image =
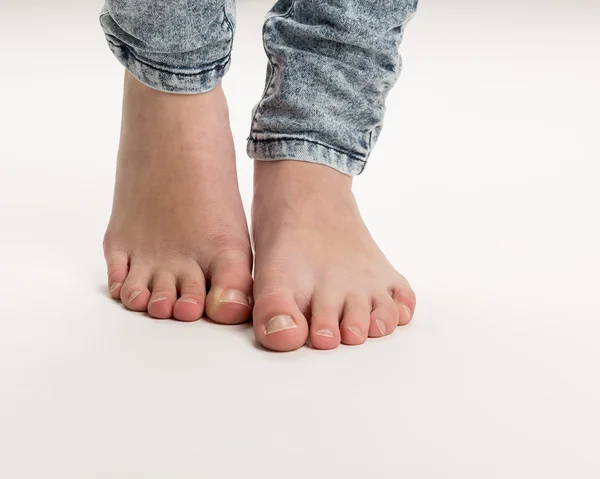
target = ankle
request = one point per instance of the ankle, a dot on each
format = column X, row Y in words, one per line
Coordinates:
column 298, row 178
column 291, row 194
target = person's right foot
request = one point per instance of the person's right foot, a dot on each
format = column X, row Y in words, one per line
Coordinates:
column 178, row 227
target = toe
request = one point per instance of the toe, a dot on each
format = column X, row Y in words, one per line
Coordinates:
column 325, row 322
column 118, row 267
column 190, row 305
column 405, row 300
column 355, row 321
column 384, row 316
column 164, row 295
column 134, row 292
column 229, row 300
column 279, row 324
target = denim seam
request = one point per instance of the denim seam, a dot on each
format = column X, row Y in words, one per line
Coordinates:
column 347, row 159
column 217, row 64
column 231, row 31
column 229, row 25
column 370, row 141
column 269, row 54
column 295, row 138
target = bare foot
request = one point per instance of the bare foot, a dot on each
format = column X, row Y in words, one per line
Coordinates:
column 178, row 228
column 318, row 272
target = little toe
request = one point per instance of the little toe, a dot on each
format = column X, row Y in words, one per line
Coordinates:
column 405, row 300
column 325, row 322
column 117, row 269
column 190, row 305
column 355, row 322
column 134, row 292
column 229, row 300
column 279, row 324
column 164, row 295
column 384, row 316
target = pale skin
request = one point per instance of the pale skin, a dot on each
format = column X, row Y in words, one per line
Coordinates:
column 177, row 244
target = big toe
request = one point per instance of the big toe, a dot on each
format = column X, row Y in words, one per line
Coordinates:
column 229, row 300
column 279, row 324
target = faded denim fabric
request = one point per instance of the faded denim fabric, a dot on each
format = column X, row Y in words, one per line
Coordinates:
column 331, row 66
column 177, row 46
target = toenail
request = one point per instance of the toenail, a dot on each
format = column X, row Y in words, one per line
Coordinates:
column 114, row 286
column 189, row 300
column 279, row 323
column 234, row 296
column 328, row 333
column 134, row 295
column 381, row 326
column 356, row 331
column 408, row 311
column 160, row 298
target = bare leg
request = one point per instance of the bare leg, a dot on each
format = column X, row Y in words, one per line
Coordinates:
column 177, row 224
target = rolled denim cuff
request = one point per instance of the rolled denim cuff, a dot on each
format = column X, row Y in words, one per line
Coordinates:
column 173, row 72
column 201, row 80
column 265, row 148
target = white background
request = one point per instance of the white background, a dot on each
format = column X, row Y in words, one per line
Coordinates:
column 483, row 191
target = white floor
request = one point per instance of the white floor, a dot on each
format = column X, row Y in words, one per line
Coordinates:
column 483, row 191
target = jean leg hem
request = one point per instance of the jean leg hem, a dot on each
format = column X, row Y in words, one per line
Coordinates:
column 199, row 80
column 266, row 149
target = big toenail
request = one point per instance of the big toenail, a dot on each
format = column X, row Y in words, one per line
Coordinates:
column 381, row 326
column 114, row 286
column 133, row 296
column 190, row 300
column 408, row 311
column 279, row 323
column 328, row 333
column 160, row 298
column 356, row 331
column 234, row 296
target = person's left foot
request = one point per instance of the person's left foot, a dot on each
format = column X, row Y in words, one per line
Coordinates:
column 318, row 272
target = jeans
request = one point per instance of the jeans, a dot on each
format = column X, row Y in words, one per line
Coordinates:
column 331, row 65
